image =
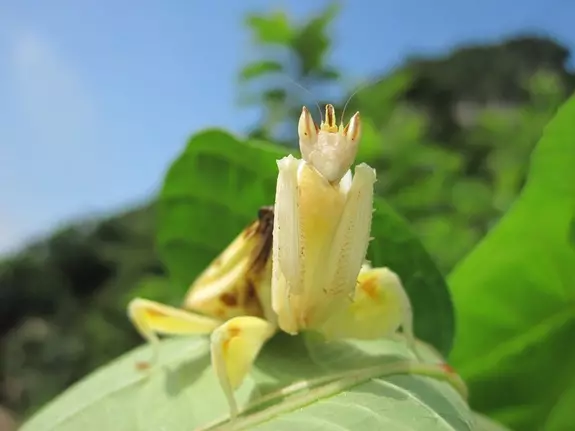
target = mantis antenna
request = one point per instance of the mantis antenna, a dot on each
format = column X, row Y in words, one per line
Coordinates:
column 361, row 87
column 293, row 81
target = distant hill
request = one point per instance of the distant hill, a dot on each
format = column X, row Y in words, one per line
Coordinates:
column 483, row 75
column 490, row 73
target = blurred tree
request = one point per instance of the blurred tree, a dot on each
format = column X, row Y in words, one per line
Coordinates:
column 62, row 304
column 291, row 56
column 483, row 75
column 492, row 72
column 449, row 193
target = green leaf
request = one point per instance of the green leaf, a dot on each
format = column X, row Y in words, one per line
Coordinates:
column 515, row 296
column 214, row 189
column 154, row 286
column 379, row 99
column 271, row 29
column 328, row 74
column 259, row 68
column 211, row 192
column 396, row 247
column 311, row 42
column 182, row 392
column 483, row 423
column 274, row 97
column 371, row 142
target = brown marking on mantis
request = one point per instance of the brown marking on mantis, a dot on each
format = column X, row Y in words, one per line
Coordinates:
column 330, row 121
column 369, row 286
column 251, row 293
column 264, row 229
column 229, row 298
column 249, row 231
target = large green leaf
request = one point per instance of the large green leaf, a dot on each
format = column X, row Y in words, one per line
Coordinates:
column 211, row 192
column 214, row 189
column 515, row 296
column 182, row 393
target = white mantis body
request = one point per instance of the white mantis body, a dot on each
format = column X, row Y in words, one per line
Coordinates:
column 300, row 266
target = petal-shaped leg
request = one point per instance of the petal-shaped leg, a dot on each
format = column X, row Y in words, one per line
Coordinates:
column 287, row 277
column 339, row 263
column 321, row 234
column 152, row 318
column 346, row 253
column 380, row 306
column 235, row 346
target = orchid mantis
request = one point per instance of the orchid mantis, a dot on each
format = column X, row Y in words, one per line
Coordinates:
column 299, row 266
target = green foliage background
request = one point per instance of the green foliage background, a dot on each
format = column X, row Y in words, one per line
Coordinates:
column 451, row 139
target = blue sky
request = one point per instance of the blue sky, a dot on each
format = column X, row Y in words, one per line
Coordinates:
column 96, row 97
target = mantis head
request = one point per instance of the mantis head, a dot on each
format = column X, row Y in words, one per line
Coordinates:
column 329, row 148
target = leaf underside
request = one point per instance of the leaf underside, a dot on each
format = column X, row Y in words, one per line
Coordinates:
column 182, row 393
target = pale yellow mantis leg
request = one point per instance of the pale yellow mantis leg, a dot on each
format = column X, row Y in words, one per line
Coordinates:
column 152, row 319
column 378, row 308
column 235, row 344
column 235, row 290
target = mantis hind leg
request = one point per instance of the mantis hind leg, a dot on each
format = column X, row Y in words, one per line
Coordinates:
column 153, row 318
column 379, row 307
column 235, row 346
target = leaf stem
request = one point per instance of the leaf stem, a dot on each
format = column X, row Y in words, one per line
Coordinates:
column 330, row 385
